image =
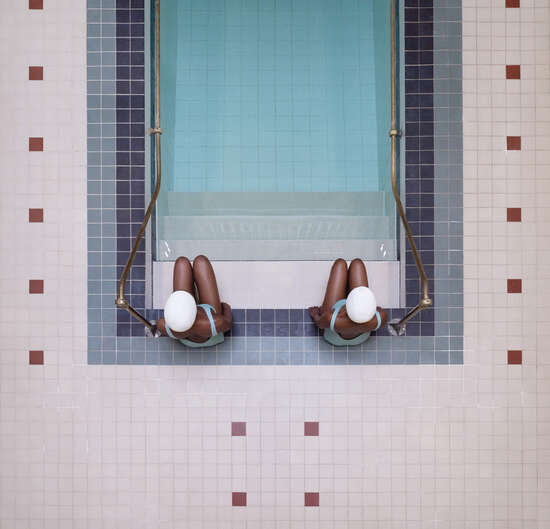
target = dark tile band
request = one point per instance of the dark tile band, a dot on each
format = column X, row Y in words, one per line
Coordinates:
column 130, row 153
column 419, row 153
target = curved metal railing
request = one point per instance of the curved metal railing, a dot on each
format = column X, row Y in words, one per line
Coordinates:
column 121, row 302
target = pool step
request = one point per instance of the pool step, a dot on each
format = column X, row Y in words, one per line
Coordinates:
column 278, row 250
column 274, row 227
column 371, row 203
column 277, row 226
column 279, row 285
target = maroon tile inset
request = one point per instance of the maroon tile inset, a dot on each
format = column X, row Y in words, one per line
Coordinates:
column 238, row 429
column 515, row 357
column 311, row 499
column 512, row 3
column 36, row 215
column 513, row 214
column 36, row 286
column 513, row 71
column 311, row 429
column 36, row 4
column 36, row 144
column 514, row 286
column 238, row 499
column 36, row 73
column 513, row 143
column 36, row 358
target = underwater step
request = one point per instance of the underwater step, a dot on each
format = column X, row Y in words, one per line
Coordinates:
column 370, row 203
column 280, row 227
column 275, row 227
column 380, row 249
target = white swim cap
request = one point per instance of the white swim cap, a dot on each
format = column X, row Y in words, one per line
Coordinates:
column 361, row 304
column 180, row 311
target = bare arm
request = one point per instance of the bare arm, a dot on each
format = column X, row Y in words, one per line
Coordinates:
column 336, row 290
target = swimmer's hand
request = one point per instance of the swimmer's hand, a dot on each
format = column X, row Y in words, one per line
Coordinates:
column 161, row 327
column 320, row 318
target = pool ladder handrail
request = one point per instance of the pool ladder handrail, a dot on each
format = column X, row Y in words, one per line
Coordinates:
column 121, row 302
column 398, row 327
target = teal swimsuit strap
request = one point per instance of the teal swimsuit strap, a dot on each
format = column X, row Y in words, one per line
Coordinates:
column 336, row 308
column 379, row 320
column 169, row 332
column 208, row 310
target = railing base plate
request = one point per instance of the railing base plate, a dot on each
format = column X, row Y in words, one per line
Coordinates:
column 395, row 329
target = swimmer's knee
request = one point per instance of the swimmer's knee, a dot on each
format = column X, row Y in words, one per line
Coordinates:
column 201, row 260
column 181, row 260
column 339, row 263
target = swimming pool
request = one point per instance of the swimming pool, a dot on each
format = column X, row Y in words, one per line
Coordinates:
column 275, row 119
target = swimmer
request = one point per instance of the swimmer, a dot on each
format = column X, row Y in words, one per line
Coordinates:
column 349, row 313
column 201, row 324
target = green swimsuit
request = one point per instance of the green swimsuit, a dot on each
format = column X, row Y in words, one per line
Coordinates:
column 215, row 339
column 332, row 337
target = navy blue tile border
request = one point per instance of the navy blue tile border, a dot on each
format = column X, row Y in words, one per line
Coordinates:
column 433, row 195
column 130, row 153
column 278, row 322
column 419, row 152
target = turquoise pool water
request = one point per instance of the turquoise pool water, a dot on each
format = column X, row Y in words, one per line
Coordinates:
column 262, row 99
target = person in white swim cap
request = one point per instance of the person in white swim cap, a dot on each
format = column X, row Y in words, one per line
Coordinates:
column 201, row 324
column 349, row 312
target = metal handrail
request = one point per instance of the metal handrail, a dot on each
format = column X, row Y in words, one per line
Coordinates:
column 121, row 302
column 398, row 327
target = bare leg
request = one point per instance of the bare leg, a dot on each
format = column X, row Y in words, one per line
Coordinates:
column 336, row 286
column 183, row 276
column 357, row 276
column 205, row 280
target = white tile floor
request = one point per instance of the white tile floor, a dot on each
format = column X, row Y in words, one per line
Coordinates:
column 411, row 447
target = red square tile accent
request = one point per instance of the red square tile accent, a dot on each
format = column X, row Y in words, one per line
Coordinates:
column 513, row 214
column 36, row 144
column 513, row 143
column 36, row 73
column 311, row 499
column 311, row 429
column 36, row 286
column 513, row 71
column 238, row 429
column 36, row 4
column 514, row 286
column 514, row 357
column 512, row 3
column 36, row 358
column 239, row 499
column 36, row 215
